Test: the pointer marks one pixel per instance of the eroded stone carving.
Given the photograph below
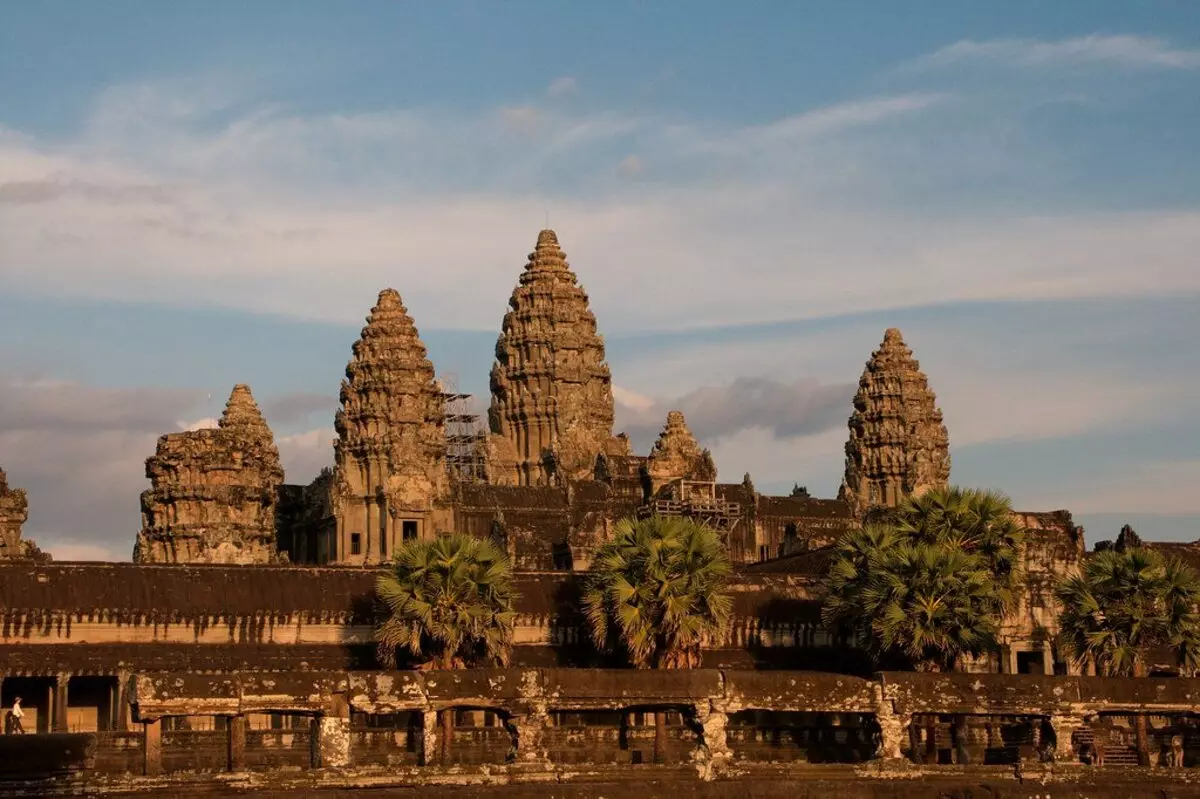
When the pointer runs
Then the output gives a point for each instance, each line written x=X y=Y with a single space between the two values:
x=213 y=492
x=551 y=388
x=898 y=444
x=14 y=511
x=678 y=456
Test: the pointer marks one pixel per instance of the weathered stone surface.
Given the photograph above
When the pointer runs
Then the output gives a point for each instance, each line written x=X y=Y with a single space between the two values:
x=551 y=387
x=391 y=447
x=678 y=456
x=898 y=444
x=14 y=511
x=213 y=492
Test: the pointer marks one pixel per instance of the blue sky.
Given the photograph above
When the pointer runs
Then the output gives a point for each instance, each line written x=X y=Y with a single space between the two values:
x=200 y=194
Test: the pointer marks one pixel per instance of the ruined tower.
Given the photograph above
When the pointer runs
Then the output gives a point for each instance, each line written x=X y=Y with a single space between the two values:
x=391 y=448
x=552 y=398
x=678 y=456
x=898 y=444
x=213 y=492
x=14 y=510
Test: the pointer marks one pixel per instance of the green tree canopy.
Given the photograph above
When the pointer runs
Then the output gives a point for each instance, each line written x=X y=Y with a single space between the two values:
x=449 y=603
x=931 y=581
x=656 y=591
x=1126 y=605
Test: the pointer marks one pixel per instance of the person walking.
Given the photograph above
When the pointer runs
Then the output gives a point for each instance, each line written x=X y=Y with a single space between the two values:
x=16 y=714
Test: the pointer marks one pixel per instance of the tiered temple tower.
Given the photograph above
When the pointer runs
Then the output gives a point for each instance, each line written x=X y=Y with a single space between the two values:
x=678 y=456
x=14 y=510
x=552 y=398
x=391 y=447
x=898 y=443
x=213 y=492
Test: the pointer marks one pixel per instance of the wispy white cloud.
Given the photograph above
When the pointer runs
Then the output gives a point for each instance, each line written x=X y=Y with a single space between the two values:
x=562 y=86
x=263 y=210
x=1142 y=52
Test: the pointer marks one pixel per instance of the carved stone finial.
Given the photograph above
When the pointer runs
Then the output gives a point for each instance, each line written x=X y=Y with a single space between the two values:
x=390 y=454
x=213 y=492
x=898 y=443
x=551 y=387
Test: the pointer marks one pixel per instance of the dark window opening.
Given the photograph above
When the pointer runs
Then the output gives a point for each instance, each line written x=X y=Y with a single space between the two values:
x=409 y=530
x=1031 y=663
x=563 y=560
x=356 y=543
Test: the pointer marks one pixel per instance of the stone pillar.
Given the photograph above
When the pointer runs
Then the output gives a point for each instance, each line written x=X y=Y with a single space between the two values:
x=1008 y=659
x=1063 y=727
x=713 y=752
x=152 y=747
x=122 y=710
x=429 y=730
x=529 y=738
x=333 y=742
x=237 y=743
x=1048 y=659
x=893 y=727
x=60 y=703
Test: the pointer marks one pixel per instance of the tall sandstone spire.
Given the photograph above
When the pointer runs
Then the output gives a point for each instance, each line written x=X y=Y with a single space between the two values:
x=552 y=399
x=898 y=443
x=391 y=447
x=213 y=492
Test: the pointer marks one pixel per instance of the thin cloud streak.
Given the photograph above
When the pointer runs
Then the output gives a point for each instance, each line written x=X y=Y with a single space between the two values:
x=1140 y=52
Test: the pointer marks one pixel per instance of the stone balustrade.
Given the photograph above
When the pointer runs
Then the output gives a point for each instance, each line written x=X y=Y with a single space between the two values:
x=604 y=716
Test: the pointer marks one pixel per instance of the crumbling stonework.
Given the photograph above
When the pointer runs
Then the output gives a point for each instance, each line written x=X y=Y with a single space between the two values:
x=213 y=492
x=678 y=456
x=551 y=388
x=14 y=511
x=898 y=443
x=391 y=447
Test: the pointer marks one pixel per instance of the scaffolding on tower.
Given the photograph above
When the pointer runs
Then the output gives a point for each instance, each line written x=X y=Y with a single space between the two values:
x=465 y=433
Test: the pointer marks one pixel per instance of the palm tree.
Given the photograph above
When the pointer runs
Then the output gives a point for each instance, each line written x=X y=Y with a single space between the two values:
x=656 y=593
x=930 y=581
x=974 y=520
x=1123 y=606
x=449 y=604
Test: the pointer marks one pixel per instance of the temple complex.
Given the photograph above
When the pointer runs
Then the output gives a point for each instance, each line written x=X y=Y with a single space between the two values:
x=241 y=637
x=213 y=492
x=898 y=444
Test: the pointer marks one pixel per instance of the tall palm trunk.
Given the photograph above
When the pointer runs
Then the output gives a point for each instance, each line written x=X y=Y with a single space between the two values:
x=447 y=734
x=1141 y=731
x=660 y=736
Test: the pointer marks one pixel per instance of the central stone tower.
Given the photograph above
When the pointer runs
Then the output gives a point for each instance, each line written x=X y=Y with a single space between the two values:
x=898 y=443
x=552 y=398
x=390 y=454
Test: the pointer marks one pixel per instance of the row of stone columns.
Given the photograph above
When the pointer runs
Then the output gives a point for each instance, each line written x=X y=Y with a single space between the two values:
x=331 y=741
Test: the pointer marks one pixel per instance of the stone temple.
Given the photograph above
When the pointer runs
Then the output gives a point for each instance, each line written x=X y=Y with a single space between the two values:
x=240 y=638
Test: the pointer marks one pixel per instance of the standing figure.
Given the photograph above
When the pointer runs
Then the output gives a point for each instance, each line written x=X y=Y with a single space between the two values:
x=16 y=714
